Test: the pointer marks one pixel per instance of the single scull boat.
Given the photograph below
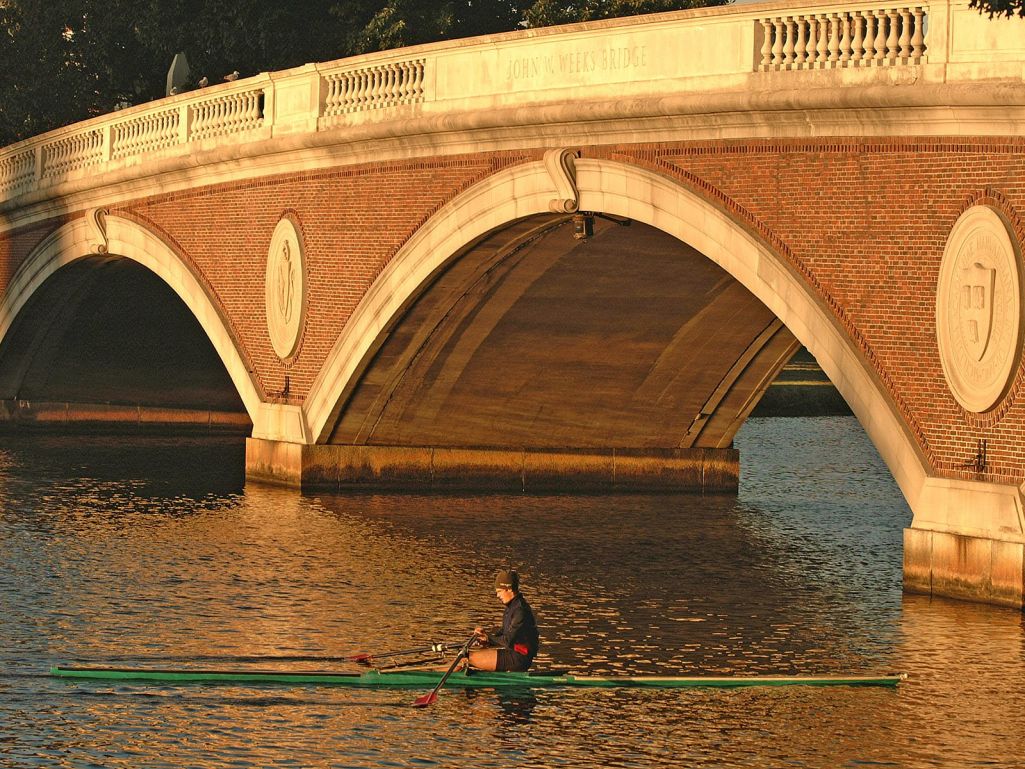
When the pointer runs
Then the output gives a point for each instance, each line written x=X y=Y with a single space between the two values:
x=462 y=679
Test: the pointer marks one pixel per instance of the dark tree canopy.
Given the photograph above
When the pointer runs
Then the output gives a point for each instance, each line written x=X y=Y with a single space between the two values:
x=1006 y=8
x=62 y=61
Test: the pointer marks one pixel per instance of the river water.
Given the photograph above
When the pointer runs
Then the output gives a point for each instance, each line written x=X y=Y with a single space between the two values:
x=156 y=553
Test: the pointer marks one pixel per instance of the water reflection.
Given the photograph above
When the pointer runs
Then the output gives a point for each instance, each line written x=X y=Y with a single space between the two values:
x=159 y=553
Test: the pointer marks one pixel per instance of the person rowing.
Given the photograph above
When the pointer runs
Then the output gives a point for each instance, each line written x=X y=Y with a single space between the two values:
x=513 y=646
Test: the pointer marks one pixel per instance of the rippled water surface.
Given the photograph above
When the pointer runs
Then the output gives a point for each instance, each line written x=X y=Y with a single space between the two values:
x=154 y=553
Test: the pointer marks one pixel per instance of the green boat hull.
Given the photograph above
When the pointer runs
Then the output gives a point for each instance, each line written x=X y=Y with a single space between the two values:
x=426 y=679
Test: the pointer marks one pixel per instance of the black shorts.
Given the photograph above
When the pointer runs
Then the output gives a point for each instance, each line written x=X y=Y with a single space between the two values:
x=511 y=662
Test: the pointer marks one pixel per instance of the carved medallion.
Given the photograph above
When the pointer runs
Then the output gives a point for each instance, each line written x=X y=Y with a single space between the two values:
x=978 y=309
x=285 y=288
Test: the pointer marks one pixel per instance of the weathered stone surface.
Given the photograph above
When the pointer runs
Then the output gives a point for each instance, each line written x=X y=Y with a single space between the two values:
x=963 y=566
x=369 y=467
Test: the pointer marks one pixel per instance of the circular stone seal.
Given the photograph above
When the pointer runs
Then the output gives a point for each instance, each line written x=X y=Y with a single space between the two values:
x=285 y=288
x=978 y=309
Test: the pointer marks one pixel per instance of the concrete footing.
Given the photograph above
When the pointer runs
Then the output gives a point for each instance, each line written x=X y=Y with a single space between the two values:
x=967 y=567
x=106 y=417
x=348 y=467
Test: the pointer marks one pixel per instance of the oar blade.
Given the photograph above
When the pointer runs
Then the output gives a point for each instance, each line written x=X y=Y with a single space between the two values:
x=427 y=699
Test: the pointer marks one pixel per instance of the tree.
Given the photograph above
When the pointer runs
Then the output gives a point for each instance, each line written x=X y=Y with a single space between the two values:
x=993 y=8
x=66 y=60
x=545 y=13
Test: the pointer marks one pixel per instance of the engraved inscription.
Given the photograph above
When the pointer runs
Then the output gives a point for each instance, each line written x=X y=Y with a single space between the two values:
x=602 y=60
x=978 y=309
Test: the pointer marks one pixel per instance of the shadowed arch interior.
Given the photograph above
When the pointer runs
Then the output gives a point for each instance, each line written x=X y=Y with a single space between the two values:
x=531 y=338
x=106 y=330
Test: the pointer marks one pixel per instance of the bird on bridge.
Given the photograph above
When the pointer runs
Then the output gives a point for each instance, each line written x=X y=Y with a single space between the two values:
x=232 y=77
x=204 y=82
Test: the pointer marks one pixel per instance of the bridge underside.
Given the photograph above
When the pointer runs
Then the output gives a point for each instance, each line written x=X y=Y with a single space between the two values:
x=624 y=359
x=105 y=344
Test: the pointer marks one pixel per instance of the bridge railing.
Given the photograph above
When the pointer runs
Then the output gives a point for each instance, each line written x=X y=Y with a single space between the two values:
x=851 y=37
x=731 y=49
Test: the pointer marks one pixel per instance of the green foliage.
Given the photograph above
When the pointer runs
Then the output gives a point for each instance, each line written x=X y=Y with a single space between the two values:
x=1006 y=8
x=62 y=61
x=545 y=13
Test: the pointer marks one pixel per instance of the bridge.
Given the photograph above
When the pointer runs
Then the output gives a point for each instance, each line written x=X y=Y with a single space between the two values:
x=562 y=257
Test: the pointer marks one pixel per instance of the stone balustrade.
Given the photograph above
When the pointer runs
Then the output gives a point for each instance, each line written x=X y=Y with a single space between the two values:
x=400 y=82
x=227 y=114
x=147 y=133
x=847 y=38
x=706 y=53
x=71 y=153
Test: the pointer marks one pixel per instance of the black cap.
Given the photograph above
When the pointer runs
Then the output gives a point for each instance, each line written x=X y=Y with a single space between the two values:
x=507 y=579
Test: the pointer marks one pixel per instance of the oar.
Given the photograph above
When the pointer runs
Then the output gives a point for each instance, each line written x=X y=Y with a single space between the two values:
x=364 y=658
x=427 y=699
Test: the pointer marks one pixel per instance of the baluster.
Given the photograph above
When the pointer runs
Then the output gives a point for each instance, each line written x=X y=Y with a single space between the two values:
x=905 y=36
x=823 y=44
x=233 y=114
x=892 y=51
x=813 y=32
x=335 y=94
x=880 y=41
x=788 y=45
x=869 y=38
x=361 y=91
x=766 y=45
x=917 y=39
x=777 y=43
x=378 y=86
x=247 y=110
x=401 y=81
x=348 y=91
x=203 y=125
x=845 y=40
x=391 y=91
x=355 y=81
x=418 y=78
x=834 y=39
x=858 y=43
x=801 y=48
x=221 y=116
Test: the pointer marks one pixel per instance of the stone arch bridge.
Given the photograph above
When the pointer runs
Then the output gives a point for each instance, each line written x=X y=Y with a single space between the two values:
x=571 y=256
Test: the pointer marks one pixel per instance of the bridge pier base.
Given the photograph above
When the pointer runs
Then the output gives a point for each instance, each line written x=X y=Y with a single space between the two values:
x=401 y=467
x=967 y=541
x=964 y=566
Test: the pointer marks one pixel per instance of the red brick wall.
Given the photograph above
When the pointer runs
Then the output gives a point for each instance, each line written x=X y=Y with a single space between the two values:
x=865 y=222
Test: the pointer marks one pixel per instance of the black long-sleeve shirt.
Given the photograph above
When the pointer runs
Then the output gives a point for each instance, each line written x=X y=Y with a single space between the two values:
x=519 y=628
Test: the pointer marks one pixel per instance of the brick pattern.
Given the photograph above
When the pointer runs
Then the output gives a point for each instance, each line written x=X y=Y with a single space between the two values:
x=16 y=246
x=876 y=265
x=352 y=221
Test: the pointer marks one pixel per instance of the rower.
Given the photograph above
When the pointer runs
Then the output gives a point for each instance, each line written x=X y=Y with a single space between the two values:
x=513 y=646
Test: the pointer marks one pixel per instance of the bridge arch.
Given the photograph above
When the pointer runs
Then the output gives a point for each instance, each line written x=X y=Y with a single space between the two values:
x=99 y=235
x=629 y=191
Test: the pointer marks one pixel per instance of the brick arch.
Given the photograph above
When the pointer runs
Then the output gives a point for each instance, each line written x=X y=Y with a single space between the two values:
x=643 y=195
x=90 y=236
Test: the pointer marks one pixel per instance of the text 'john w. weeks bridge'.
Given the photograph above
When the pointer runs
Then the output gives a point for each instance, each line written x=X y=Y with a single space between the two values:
x=559 y=257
